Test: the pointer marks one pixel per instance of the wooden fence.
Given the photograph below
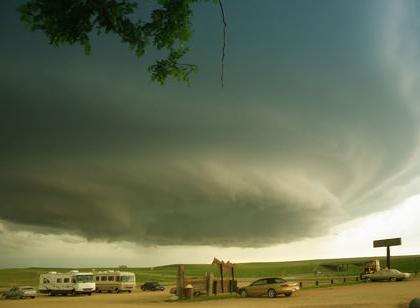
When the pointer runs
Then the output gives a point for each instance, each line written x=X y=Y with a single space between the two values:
x=327 y=281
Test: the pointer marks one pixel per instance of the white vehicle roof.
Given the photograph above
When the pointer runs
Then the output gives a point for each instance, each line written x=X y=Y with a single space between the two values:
x=113 y=273
x=73 y=273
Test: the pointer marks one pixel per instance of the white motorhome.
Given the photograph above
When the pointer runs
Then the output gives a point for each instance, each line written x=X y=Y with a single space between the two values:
x=73 y=282
x=115 y=281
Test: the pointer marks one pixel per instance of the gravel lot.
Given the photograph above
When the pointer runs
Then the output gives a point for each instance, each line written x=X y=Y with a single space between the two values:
x=381 y=294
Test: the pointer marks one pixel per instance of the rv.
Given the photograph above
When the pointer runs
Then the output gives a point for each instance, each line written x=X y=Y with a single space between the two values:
x=115 y=281
x=72 y=282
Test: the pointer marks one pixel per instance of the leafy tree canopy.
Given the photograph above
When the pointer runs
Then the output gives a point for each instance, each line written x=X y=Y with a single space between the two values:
x=71 y=21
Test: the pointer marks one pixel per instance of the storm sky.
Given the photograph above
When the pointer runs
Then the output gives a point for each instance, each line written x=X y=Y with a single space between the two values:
x=317 y=127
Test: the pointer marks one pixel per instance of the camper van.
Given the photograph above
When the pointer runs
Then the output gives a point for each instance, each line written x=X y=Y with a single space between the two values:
x=73 y=282
x=115 y=281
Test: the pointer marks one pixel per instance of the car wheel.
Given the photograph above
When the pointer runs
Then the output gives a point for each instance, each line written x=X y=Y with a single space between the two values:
x=129 y=291
x=32 y=297
x=288 y=294
x=117 y=290
x=368 y=279
x=243 y=293
x=271 y=293
x=392 y=279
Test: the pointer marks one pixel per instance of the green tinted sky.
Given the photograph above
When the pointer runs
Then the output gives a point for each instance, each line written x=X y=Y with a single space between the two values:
x=317 y=125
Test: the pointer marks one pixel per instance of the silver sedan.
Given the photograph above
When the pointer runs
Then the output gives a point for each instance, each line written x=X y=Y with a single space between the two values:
x=20 y=292
x=387 y=275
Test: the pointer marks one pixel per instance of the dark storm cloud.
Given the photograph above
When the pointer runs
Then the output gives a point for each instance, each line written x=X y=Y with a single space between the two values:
x=304 y=137
x=169 y=203
x=200 y=177
x=195 y=178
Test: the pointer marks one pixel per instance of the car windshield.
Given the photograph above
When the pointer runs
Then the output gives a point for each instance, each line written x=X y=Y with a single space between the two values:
x=127 y=278
x=27 y=289
x=84 y=278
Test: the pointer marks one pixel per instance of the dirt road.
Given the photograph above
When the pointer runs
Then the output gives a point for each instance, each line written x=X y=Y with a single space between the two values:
x=386 y=294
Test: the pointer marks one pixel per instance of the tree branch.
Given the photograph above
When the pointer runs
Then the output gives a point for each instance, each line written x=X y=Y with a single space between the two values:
x=224 y=42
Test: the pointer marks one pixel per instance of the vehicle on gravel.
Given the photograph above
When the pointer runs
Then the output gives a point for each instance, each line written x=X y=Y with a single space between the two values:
x=20 y=292
x=270 y=287
x=114 y=281
x=73 y=283
x=152 y=286
x=386 y=275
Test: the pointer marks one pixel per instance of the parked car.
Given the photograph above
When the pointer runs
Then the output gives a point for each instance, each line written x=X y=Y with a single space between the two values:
x=386 y=275
x=152 y=286
x=270 y=287
x=20 y=292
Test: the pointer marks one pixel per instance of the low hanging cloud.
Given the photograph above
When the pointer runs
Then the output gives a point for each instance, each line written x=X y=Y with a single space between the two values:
x=167 y=204
x=309 y=148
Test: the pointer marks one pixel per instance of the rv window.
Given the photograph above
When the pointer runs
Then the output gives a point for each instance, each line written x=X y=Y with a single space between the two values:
x=103 y=278
x=110 y=278
x=117 y=278
x=97 y=278
x=58 y=280
x=84 y=278
x=66 y=280
x=127 y=278
x=73 y=280
x=46 y=280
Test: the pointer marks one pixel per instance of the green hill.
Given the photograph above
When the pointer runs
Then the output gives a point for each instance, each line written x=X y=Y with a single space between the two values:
x=167 y=274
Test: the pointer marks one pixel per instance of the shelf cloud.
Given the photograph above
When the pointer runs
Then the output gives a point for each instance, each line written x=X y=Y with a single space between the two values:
x=320 y=131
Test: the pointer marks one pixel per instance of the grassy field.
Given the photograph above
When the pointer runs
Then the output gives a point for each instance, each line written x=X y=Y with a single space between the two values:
x=167 y=274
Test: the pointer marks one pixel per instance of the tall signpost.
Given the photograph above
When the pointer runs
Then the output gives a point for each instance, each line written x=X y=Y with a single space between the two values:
x=387 y=243
x=225 y=267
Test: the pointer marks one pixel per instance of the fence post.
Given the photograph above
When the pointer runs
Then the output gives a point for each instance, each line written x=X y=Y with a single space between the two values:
x=344 y=280
x=317 y=283
x=301 y=284
x=210 y=279
x=180 y=282
x=332 y=281
x=221 y=278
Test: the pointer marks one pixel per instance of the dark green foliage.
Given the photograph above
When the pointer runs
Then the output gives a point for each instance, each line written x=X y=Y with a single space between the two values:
x=71 y=22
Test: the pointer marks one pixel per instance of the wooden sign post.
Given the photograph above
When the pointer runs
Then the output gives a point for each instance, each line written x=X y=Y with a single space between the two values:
x=225 y=267
x=180 y=282
x=387 y=243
